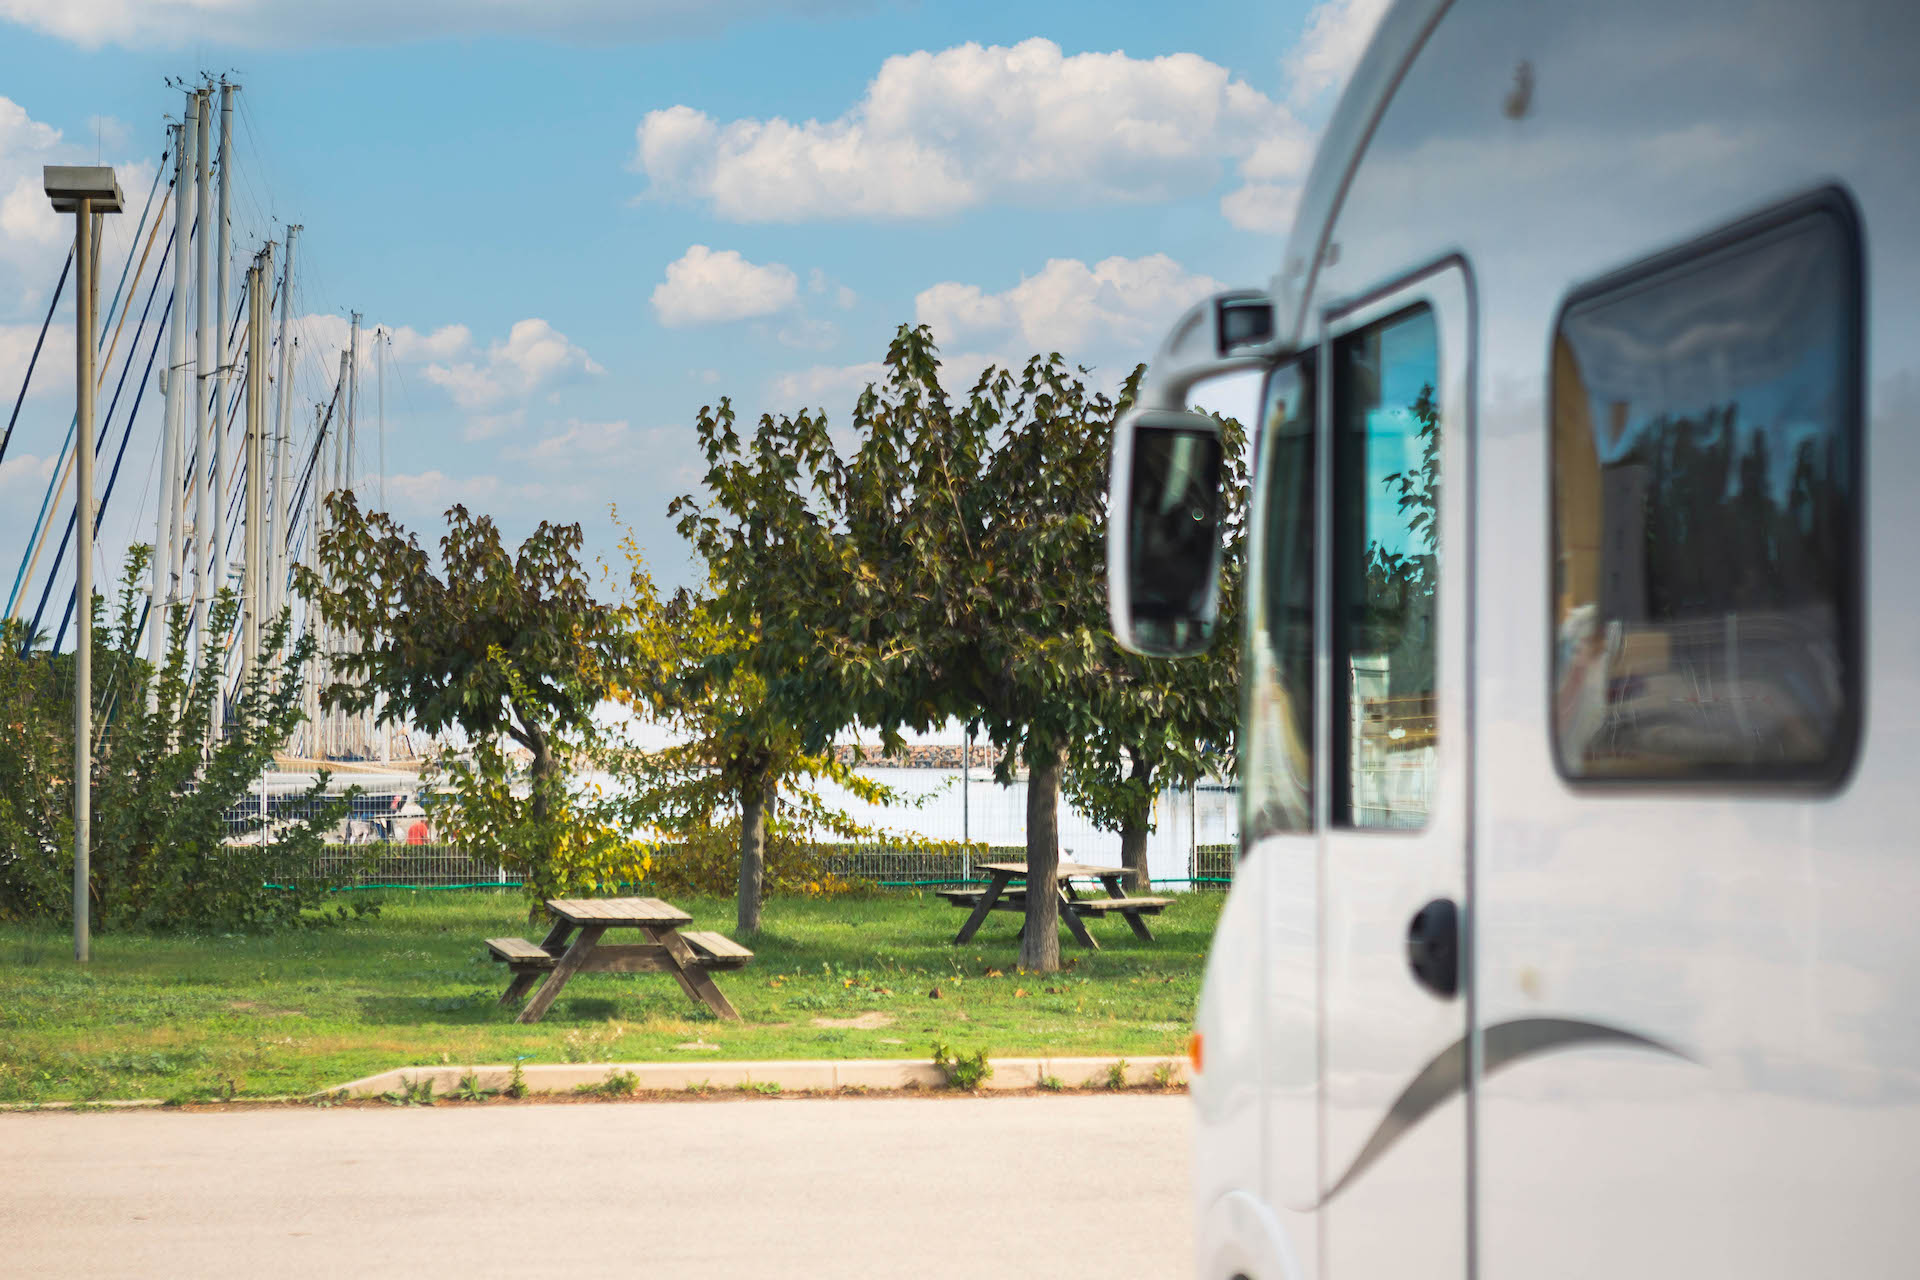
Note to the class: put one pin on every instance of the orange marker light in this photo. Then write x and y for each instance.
(1195, 1044)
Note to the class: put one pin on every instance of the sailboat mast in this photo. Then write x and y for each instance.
(254, 544)
(283, 436)
(165, 588)
(207, 319)
(222, 465)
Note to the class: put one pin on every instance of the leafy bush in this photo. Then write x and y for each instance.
(963, 1070)
(177, 840)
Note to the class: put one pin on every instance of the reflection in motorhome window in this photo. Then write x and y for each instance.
(1705, 419)
(1386, 570)
(1278, 753)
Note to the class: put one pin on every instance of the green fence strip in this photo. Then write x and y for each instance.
(520, 884)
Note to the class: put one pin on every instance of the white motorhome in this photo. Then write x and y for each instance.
(1576, 931)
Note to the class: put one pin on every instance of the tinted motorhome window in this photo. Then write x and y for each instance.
(1705, 463)
(1386, 576)
(1278, 780)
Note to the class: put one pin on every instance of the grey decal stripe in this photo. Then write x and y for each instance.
(1503, 1043)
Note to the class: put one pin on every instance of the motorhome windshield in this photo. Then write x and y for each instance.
(1278, 788)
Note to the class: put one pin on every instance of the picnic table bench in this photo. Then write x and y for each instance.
(689, 957)
(1001, 894)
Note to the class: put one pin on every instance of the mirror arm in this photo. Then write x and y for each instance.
(1225, 333)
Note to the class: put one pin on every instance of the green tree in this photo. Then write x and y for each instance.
(967, 577)
(496, 645)
(695, 673)
(1166, 722)
(769, 552)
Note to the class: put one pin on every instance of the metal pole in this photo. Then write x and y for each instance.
(84, 340)
(353, 401)
(381, 341)
(283, 433)
(166, 569)
(181, 385)
(254, 544)
(342, 440)
(204, 432)
(966, 797)
(223, 369)
(311, 699)
(352, 726)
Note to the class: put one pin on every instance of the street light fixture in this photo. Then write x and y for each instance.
(87, 192)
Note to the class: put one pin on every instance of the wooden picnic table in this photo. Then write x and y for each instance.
(689, 957)
(996, 897)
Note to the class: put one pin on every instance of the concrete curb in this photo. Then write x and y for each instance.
(877, 1074)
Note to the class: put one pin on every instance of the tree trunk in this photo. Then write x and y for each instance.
(1040, 944)
(755, 799)
(541, 873)
(1133, 828)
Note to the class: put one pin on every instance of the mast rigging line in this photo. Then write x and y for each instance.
(37, 540)
(126, 434)
(106, 428)
(34, 360)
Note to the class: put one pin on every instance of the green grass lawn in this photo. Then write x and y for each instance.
(187, 1018)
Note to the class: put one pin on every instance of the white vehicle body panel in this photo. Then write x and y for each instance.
(1759, 940)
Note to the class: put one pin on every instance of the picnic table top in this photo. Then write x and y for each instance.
(1065, 871)
(618, 911)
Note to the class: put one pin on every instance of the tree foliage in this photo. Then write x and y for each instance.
(1167, 722)
(497, 645)
(966, 576)
(751, 765)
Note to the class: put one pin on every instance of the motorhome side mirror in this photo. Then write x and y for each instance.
(1163, 560)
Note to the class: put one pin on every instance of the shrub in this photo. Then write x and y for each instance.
(963, 1070)
(177, 840)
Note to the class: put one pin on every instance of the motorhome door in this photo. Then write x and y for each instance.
(1392, 778)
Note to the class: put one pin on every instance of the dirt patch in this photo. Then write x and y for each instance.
(263, 1010)
(872, 1020)
(698, 1046)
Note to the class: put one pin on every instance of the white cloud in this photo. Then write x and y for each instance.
(53, 373)
(823, 285)
(533, 356)
(26, 470)
(940, 132)
(705, 287)
(1262, 206)
(432, 492)
(1118, 305)
(840, 384)
(443, 343)
(142, 24)
(575, 442)
(33, 238)
(487, 426)
(327, 335)
(1336, 35)
(804, 333)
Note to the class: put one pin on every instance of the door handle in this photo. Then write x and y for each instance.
(1433, 947)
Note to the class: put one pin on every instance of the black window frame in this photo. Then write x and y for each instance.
(1830, 775)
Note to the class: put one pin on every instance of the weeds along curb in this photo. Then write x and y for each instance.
(428, 1085)
(877, 1075)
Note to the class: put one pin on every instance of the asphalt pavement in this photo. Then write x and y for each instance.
(927, 1188)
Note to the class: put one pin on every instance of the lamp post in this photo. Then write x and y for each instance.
(87, 192)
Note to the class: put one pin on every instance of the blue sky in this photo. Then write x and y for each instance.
(583, 220)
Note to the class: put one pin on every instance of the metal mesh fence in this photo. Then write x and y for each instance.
(388, 838)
